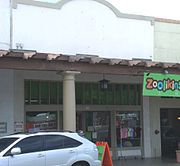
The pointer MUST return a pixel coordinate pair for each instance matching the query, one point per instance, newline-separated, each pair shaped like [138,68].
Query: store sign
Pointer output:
[18,126]
[161,85]
[3,127]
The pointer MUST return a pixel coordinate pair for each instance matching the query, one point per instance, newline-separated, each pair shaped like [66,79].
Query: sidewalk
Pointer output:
[146,162]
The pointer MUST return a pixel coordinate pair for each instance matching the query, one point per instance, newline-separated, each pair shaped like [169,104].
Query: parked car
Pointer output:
[48,149]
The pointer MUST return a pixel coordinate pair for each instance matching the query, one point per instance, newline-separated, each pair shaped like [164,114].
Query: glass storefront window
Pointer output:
[118,92]
[79,93]
[34,92]
[132,95]
[87,93]
[51,92]
[125,94]
[27,91]
[60,94]
[98,126]
[94,93]
[44,92]
[102,97]
[128,129]
[115,94]
[110,95]
[41,121]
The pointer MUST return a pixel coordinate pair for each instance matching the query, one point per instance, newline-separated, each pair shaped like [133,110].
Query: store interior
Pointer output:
[170,132]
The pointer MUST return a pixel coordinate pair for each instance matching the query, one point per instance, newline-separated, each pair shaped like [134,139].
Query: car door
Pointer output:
[4,161]
[5,143]
[32,153]
[59,150]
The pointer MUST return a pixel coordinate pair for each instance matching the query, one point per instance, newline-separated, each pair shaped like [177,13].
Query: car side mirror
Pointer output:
[15,151]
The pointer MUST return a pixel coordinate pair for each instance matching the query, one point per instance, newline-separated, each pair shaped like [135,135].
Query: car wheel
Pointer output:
[81,164]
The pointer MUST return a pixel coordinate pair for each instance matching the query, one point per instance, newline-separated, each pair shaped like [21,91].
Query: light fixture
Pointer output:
[103,83]
[178,118]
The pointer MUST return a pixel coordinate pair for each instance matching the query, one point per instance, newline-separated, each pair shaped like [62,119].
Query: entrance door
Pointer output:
[95,124]
[170,131]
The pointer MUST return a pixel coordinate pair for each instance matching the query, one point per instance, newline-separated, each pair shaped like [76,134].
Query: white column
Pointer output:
[146,128]
[69,104]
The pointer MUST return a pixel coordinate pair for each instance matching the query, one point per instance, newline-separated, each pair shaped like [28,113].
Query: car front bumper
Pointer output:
[97,163]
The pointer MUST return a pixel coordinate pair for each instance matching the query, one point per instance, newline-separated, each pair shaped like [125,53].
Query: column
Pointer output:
[69,101]
[146,128]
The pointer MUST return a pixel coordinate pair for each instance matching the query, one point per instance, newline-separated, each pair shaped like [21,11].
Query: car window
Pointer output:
[69,142]
[59,142]
[5,142]
[30,144]
[53,142]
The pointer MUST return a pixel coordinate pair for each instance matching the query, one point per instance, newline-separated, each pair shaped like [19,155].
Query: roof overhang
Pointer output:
[32,60]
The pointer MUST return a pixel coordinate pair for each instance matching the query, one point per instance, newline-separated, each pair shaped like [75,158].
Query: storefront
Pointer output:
[167,87]
[170,132]
[32,86]
[113,114]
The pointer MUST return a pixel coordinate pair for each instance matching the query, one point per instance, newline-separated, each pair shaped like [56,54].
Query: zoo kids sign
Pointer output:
[161,85]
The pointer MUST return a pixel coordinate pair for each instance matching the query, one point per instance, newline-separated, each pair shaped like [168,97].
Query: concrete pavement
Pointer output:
[146,162]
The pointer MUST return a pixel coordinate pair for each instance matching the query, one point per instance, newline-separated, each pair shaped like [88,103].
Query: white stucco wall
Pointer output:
[167,42]
[82,27]
[7,99]
[19,112]
[4,24]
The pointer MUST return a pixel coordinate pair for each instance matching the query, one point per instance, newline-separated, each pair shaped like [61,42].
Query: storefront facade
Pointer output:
[113,114]
[51,77]
[33,91]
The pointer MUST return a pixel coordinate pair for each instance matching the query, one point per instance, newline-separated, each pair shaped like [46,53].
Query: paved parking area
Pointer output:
[146,162]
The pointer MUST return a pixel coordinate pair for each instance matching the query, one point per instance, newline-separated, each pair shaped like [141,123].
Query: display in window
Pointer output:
[41,121]
[128,129]
[97,126]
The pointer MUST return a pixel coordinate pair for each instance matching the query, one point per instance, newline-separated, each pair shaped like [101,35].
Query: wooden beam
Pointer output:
[83,67]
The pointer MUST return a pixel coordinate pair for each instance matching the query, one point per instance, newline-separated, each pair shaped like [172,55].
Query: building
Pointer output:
[166,40]
[52,77]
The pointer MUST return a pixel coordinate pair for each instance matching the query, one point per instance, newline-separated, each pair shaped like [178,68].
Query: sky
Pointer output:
[169,9]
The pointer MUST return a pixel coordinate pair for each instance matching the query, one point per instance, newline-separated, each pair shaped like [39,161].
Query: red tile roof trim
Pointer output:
[27,55]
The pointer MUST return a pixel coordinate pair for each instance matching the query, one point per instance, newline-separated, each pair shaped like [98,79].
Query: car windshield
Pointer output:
[5,142]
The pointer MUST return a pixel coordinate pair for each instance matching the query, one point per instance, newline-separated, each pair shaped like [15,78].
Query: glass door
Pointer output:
[170,132]
[95,125]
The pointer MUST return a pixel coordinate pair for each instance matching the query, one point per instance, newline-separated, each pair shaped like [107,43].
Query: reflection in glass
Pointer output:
[40,121]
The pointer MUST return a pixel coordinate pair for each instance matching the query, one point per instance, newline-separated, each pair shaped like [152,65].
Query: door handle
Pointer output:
[40,155]
[72,151]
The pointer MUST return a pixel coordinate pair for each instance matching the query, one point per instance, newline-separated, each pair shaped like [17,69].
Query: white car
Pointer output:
[48,149]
